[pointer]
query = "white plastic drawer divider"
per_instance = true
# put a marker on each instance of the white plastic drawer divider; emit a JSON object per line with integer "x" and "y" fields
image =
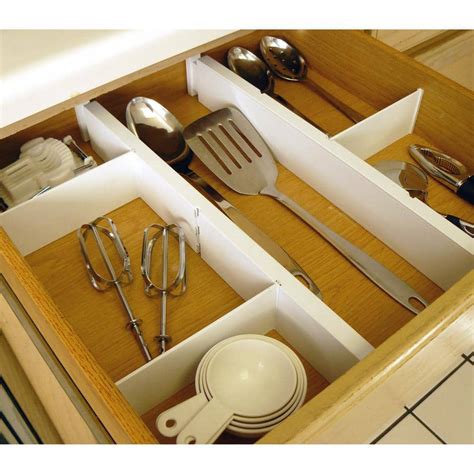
{"x": 422, "y": 237}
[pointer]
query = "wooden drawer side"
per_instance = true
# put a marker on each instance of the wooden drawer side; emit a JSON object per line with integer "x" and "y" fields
{"x": 110, "y": 406}
{"x": 390, "y": 374}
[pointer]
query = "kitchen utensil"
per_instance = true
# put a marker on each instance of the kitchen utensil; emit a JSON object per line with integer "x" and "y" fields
{"x": 152, "y": 234}
{"x": 173, "y": 420}
{"x": 41, "y": 165}
{"x": 447, "y": 170}
{"x": 414, "y": 180}
{"x": 232, "y": 149}
{"x": 161, "y": 131}
{"x": 288, "y": 63}
{"x": 106, "y": 227}
{"x": 248, "y": 375}
{"x": 256, "y": 425}
{"x": 251, "y": 68}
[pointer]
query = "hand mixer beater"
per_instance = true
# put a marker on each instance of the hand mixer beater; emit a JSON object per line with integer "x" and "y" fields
{"x": 104, "y": 226}
{"x": 153, "y": 233}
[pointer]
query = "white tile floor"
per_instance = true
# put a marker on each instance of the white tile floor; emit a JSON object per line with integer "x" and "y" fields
{"x": 444, "y": 415}
{"x": 409, "y": 431}
{"x": 449, "y": 410}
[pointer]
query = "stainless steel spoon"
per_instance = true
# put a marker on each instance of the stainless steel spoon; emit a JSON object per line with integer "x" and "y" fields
{"x": 251, "y": 68}
{"x": 288, "y": 63}
{"x": 414, "y": 180}
{"x": 161, "y": 131}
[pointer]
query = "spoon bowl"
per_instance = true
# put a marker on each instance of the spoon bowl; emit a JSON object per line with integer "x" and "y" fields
{"x": 162, "y": 132}
{"x": 251, "y": 68}
{"x": 159, "y": 129}
{"x": 288, "y": 63}
{"x": 284, "y": 60}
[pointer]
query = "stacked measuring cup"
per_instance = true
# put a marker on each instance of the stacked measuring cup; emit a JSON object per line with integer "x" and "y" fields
{"x": 245, "y": 384}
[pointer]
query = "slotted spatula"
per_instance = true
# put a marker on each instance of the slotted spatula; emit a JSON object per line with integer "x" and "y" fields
{"x": 227, "y": 143}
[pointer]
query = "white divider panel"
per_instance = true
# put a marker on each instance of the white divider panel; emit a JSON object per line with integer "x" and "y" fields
{"x": 434, "y": 246}
{"x": 45, "y": 218}
{"x": 159, "y": 379}
{"x": 221, "y": 241}
{"x": 371, "y": 135}
{"x": 310, "y": 334}
{"x": 102, "y": 138}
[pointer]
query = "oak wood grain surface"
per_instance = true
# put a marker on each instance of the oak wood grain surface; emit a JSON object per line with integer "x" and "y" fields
{"x": 99, "y": 318}
{"x": 342, "y": 62}
{"x": 109, "y": 405}
{"x": 363, "y": 305}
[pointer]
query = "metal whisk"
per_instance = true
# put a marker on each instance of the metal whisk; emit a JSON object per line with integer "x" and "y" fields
{"x": 178, "y": 286}
{"x": 105, "y": 226}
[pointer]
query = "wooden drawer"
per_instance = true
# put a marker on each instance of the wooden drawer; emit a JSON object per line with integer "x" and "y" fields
{"x": 234, "y": 286}
{"x": 450, "y": 52}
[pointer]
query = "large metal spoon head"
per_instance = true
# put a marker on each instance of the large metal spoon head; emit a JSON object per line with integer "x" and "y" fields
{"x": 250, "y": 67}
{"x": 159, "y": 129}
{"x": 283, "y": 59}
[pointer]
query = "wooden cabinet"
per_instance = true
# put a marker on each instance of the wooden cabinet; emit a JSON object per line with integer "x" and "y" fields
{"x": 234, "y": 286}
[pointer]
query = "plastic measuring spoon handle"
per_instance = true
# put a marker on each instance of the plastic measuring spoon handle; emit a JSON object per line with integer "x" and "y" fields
{"x": 207, "y": 425}
{"x": 172, "y": 421}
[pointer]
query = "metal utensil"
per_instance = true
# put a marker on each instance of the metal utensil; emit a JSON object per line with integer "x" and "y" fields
{"x": 163, "y": 133}
{"x": 414, "y": 180}
{"x": 232, "y": 149}
{"x": 106, "y": 227}
{"x": 288, "y": 63}
{"x": 447, "y": 170}
{"x": 177, "y": 287}
{"x": 251, "y": 68}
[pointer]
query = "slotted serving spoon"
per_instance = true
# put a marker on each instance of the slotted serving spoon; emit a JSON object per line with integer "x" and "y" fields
{"x": 227, "y": 143}
{"x": 289, "y": 64}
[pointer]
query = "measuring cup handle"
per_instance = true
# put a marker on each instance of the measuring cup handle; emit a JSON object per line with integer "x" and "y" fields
{"x": 172, "y": 421}
{"x": 207, "y": 425}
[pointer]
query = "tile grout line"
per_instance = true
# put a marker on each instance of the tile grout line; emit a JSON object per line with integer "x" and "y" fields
{"x": 444, "y": 379}
{"x": 467, "y": 358}
{"x": 426, "y": 426}
{"x": 390, "y": 428}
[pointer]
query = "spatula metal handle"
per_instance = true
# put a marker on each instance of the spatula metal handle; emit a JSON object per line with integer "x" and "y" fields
{"x": 253, "y": 231}
{"x": 379, "y": 274}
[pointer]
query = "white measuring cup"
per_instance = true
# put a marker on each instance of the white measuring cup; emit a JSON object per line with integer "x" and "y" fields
{"x": 265, "y": 421}
{"x": 247, "y": 376}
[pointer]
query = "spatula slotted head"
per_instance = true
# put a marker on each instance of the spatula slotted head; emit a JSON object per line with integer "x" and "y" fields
{"x": 228, "y": 144}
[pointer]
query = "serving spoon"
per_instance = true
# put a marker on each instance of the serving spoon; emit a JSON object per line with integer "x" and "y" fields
{"x": 289, "y": 64}
{"x": 161, "y": 131}
{"x": 251, "y": 68}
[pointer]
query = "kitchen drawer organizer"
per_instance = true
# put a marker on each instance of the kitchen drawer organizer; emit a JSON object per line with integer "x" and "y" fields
{"x": 234, "y": 286}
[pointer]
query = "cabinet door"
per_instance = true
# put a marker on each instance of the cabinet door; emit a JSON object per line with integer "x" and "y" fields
{"x": 42, "y": 403}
